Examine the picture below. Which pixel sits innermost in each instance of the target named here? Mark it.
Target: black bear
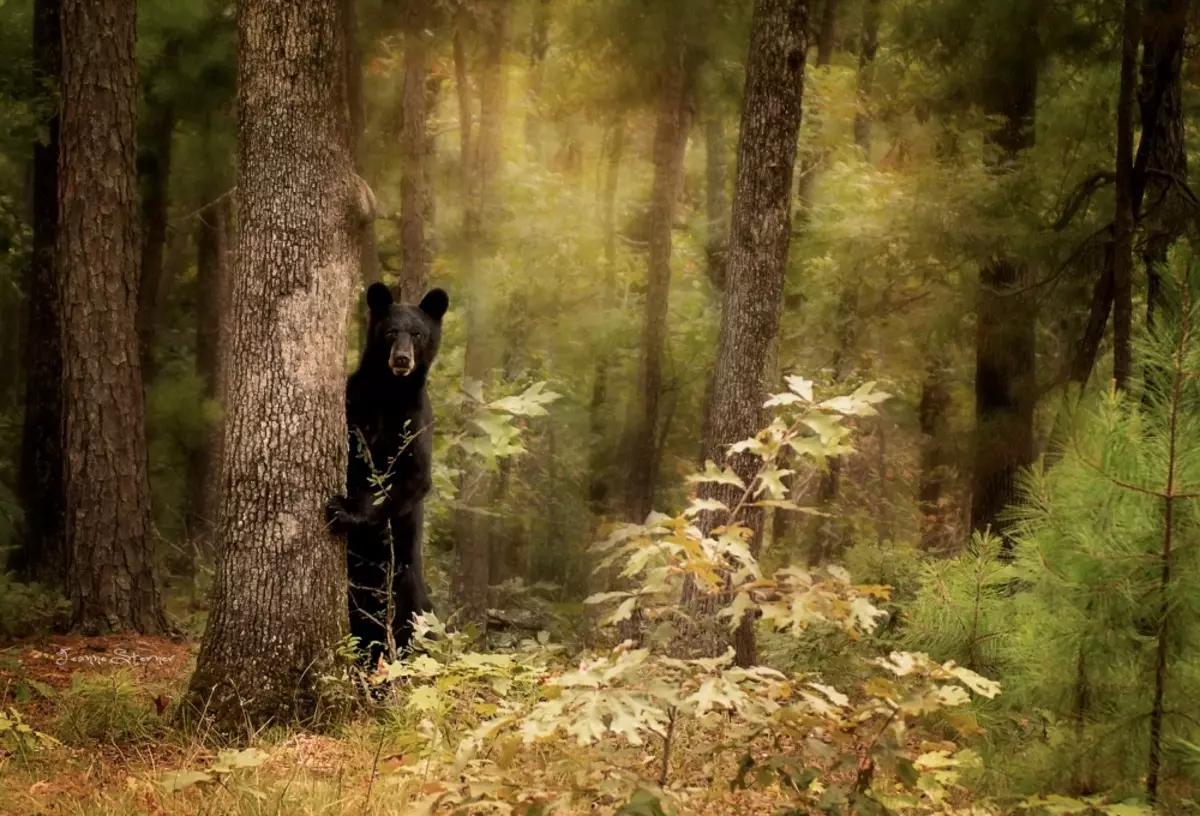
(388, 409)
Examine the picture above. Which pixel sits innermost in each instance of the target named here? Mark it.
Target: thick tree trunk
(670, 143)
(1005, 317)
(599, 478)
(279, 597)
(108, 524)
(43, 555)
(934, 407)
(716, 242)
(758, 249)
(154, 174)
(539, 44)
(826, 32)
(1123, 223)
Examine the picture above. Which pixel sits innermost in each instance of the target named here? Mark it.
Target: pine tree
(1109, 638)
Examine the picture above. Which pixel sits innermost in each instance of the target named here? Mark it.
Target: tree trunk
(415, 174)
(368, 262)
(827, 32)
(279, 597)
(154, 174)
(480, 165)
(108, 523)
(598, 475)
(1005, 335)
(1123, 223)
(670, 143)
(212, 308)
(539, 44)
(758, 249)
(43, 555)
(935, 405)
(868, 48)
(716, 207)
(1162, 155)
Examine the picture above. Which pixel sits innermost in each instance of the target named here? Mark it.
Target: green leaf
(642, 803)
(801, 387)
(715, 475)
(229, 761)
(698, 506)
(424, 699)
(175, 781)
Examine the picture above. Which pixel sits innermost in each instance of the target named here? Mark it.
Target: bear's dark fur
(387, 407)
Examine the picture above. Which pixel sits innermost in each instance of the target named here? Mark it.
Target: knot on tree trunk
(362, 201)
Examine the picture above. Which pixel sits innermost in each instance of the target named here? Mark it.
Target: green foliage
(29, 609)
(109, 708)
(18, 738)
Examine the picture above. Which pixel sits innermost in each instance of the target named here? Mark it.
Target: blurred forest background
(991, 221)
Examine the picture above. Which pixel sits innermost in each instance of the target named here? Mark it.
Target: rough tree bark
(43, 555)
(108, 525)
(279, 595)
(670, 143)
(1005, 319)
(758, 248)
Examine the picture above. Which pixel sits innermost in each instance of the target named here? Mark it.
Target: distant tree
(108, 523)
(481, 157)
(279, 602)
(418, 98)
(758, 249)
(1006, 317)
(674, 118)
(43, 554)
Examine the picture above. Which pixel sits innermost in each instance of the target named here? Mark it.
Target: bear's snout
(401, 360)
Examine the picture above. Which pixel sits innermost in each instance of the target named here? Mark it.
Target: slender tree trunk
(598, 475)
(716, 205)
(670, 143)
(368, 247)
(1162, 154)
(758, 249)
(480, 167)
(827, 32)
(108, 523)
(44, 555)
(1123, 224)
(418, 104)
(539, 44)
(935, 405)
(279, 596)
(1005, 319)
(212, 308)
(154, 175)
(868, 48)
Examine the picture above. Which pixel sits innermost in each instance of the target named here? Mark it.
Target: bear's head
(404, 336)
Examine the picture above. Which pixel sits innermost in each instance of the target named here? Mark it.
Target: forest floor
(107, 702)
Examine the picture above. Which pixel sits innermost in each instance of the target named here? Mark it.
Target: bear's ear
(435, 303)
(379, 299)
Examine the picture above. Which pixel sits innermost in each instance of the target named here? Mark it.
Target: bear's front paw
(335, 512)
